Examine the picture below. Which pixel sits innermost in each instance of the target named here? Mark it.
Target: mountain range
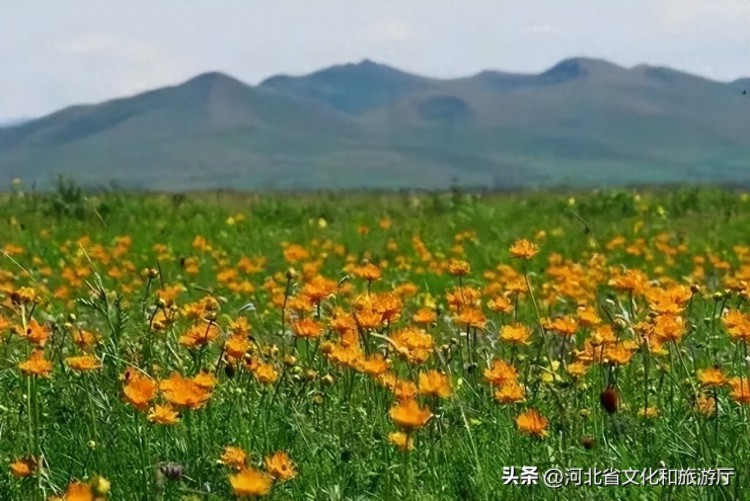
(583, 122)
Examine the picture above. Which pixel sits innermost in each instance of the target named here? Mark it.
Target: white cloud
(390, 31)
(544, 29)
(58, 53)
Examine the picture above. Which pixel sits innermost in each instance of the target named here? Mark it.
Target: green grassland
(333, 420)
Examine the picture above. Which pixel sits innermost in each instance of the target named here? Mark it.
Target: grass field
(371, 347)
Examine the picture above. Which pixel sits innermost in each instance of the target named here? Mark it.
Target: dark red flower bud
(609, 399)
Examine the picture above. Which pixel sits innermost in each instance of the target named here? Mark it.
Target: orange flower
(500, 373)
(566, 325)
(265, 373)
(737, 325)
(318, 288)
(532, 423)
(510, 393)
(368, 318)
(236, 346)
(500, 304)
(184, 392)
(251, 482)
(368, 271)
(523, 249)
(138, 390)
(83, 363)
(280, 467)
(588, 317)
(163, 414)
(740, 390)
(459, 267)
(515, 334)
(618, 354)
(307, 328)
(668, 328)
(21, 468)
(434, 383)
(409, 415)
(629, 281)
(374, 365)
(389, 306)
(461, 297)
(705, 405)
(413, 344)
(424, 316)
(205, 380)
(78, 491)
(35, 334)
(233, 457)
(341, 321)
(403, 389)
(36, 365)
(294, 253)
(670, 301)
(711, 377)
(84, 338)
(199, 335)
(471, 317)
(240, 326)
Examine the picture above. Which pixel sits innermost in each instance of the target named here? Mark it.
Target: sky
(54, 53)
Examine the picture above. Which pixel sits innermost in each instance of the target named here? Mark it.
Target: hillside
(583, 122)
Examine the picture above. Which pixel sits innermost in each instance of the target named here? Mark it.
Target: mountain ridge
(583, 121)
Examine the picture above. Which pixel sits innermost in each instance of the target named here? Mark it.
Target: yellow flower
(83, 363)
(577, 369)
(265, 373)
(515, 334)
(648, 412)
(163, 414)
(403, 441)
(100, 486)
(250, 482)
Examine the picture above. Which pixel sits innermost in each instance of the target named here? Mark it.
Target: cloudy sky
(54, 53)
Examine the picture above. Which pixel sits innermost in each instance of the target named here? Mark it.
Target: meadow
(371, 346)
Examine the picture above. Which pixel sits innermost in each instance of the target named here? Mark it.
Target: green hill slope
(583, 122)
